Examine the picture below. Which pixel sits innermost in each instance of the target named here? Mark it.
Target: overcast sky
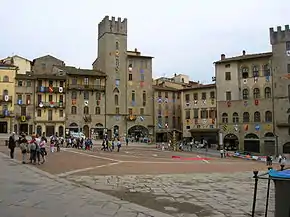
(184, 36)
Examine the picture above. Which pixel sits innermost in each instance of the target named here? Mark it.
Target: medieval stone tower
(112, 59)
(280, 41)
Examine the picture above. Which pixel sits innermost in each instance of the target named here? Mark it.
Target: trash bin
(6, 142)
(282, 192)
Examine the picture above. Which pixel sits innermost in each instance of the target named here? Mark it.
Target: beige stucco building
(252, 97)
(244, 101)
(167, 112)
(199, 112)
(85, 100)
(7, 100)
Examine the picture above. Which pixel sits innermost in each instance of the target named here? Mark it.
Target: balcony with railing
(50, 89)
(50, 105)
(6, 113)
(5, 98)
(85, 87)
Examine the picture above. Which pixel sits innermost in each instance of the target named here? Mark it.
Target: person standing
(23, 144)
(43, 152)
(12, 145)
(222, 152)
(127, 141)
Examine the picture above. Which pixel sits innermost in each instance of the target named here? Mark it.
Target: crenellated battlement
(113, 25)
(280, 35)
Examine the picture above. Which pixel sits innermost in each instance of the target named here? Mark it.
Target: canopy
(285, 174)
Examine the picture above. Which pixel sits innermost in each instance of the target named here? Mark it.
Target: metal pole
(268, 194)
(255, 192)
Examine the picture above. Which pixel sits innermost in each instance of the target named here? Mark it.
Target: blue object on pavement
(285, 174)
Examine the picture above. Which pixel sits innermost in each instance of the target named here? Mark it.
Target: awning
(214, 130)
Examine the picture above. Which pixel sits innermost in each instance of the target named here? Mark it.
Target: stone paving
(28, 192)
(197, 195)
(200, 189)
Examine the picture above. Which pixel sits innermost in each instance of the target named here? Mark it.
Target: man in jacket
(12, 145)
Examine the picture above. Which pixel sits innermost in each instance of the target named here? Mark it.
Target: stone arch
(5, 92)
(73, 125)
(286, 148)
(61, 131)
(252, 143)
(5, 78)
(86, 130)
(38, 130)
(245, 72)
(269, 134)
(116, 130)
(231, 142)
(269, 143)
(138, 131)
(99, 125)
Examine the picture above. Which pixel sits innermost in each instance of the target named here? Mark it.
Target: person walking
(127, 141)
(12, 145)
(119, 144)
(279, 158)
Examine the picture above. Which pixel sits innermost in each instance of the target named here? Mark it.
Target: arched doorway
(231, 142)
(86, 130)
(286, 148)
(74, 127)
(269, 143)
(252, 143)
(99, 131)
(60, 131)
(138, 131)
(39, 130)
(116, 131)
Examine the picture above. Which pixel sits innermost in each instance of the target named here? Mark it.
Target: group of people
(79, 143)
(36, 147)
(109, 145)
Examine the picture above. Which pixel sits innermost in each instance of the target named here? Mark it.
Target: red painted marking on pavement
(190, 158)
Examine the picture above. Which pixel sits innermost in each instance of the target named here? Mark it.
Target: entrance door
(86, 130)
(3, 127)
(23, 128)
(50, 131)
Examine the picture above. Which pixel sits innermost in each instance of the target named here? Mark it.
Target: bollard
(268, 194)
(255, 191)
(6, 142)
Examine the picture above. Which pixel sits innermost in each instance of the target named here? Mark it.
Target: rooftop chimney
(244, 52)
(223, 56)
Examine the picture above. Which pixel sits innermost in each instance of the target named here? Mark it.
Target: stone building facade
(245, 103)
(199, 112)
(167, 112)
(129, 82)
(7, 96)
(280, 41)
(24, 103)
(85, 100)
